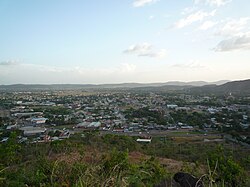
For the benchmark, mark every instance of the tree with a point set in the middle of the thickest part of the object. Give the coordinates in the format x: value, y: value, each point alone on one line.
x: 10, y: 151
x: 227, y: 169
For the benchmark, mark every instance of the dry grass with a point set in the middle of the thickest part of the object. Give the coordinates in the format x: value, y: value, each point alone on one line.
x: 182, y: 139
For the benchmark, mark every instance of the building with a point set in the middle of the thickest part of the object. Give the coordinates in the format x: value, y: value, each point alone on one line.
x: 39, y: 120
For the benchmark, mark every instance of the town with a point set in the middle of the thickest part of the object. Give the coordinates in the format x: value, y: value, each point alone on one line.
x: 56, y: 115
x: 154, y: 134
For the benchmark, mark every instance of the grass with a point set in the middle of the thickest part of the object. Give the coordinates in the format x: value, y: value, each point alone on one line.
x: 79, y: 161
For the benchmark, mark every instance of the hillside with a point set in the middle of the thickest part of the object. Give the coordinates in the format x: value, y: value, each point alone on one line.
x: 236, y: 87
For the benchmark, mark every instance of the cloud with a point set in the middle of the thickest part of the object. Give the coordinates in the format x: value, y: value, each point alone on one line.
x: 192, y: 64
x: 127, y: 68
x: 207, y: 25
x: 240, y: 42
x: 217, y: 3
x: 145, y: 49
x: 188, y: 10
x: 139, y: 48
x: 151, y: 17
x: 233, y: 27
x: 42, y: 74
x: 141, y: 3
x: 194, y: 17
x: 9, y: 63
x: 155, y: 54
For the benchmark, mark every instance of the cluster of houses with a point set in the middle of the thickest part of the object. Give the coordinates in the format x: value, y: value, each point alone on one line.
x: 107, y: 112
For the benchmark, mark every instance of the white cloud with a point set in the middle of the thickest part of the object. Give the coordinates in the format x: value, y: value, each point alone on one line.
x: 9, y: 63
x: 126, y: 72
x: 127, y: 68
x: 155, y: 54
x: 233, y: 27
x: 151, y: 17
x: 240, y: 42
x: 41, y: 74
x: 139, y: 48
x: 207, y: 25
x: 140, y: 3
x: 192, y: 64
x: 217, y: 3
x: 145, y: 49
x: 197, y: 16
x: 188, y: 10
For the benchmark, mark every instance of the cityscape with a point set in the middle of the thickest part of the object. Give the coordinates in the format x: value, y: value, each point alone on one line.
x: 177, y: 119
x: 123, y: 112
x: 125, y: 93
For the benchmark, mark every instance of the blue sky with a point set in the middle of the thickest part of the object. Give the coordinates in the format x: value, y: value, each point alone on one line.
x: 80, y: 41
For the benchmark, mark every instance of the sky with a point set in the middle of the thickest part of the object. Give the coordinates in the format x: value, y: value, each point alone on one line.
x: 122, y: 41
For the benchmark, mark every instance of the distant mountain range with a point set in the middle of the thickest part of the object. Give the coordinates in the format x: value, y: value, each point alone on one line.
x: 238, y: 87
x: 172, y: 84
x: 223, y: 86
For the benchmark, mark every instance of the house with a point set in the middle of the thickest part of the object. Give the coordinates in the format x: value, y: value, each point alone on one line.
x: 32, y: 131
x: 88, y: 125
x: 39, y: 120
x: 144, y: 139
x: 11, y: 127
x: 172, y: 106
x: 82, y: 125
x: 27, y: 114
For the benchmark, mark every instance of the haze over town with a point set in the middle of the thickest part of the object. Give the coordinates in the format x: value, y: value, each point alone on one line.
x: 114, y: 41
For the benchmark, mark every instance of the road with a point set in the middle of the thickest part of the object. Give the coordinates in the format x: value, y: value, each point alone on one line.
x: 155, y: 133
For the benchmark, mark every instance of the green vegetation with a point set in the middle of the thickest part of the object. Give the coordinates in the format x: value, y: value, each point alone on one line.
x: 229, y: 172
x: 194, y: 118
x: 151, y: 115
x: 94, y: 160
